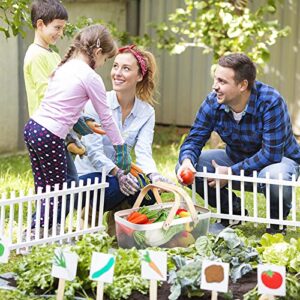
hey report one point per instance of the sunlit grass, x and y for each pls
(15, 173)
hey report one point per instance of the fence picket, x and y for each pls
(2, 220)
(95, 203)
(87, 207)
(11, 217)
(294, 205)
(242, 194)
(101, 207)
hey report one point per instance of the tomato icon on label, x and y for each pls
(187, 176)
(271, 279)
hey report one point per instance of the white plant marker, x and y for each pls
(102, 270)
(214, 277)
(154, 267)
(64, 267)
(4, 249)
(271, 280)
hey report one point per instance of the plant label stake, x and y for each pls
(102, 270)
(4, 249)
(64, 267)
(214, 277)
(271, 280)
(154, 267)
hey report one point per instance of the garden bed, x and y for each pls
(240, 288)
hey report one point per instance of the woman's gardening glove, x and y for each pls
(154, 177)
(127, 182)
(81, 127)
(74, 145)
(123, 158)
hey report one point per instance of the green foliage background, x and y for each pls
(215, 26)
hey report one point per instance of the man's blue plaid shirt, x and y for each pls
(262, 137)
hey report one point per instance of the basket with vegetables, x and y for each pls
(166, 225)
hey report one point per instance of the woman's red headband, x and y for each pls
(138, 56)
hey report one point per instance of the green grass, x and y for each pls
(15, 173)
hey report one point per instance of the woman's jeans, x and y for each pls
(287, 167)
(113, 195)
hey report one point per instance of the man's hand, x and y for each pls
(186, 165)
(221, 170)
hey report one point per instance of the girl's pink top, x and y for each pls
(72, 85)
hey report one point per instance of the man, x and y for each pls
(253, 121)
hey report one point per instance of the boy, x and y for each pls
(48, 18)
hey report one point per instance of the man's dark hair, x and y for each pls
(242, 65)
(47, 10)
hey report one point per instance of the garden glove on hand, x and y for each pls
(74, 145)
(128, 183)
(154, 177)
(123, 158)
(81, 126)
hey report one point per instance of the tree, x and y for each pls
(15, 18)
(13, 15)
(221, 27)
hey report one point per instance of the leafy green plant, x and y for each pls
(13, 14)
(59, 259)
(221, 27)
(275, 250)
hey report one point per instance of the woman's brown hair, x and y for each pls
(146, 88)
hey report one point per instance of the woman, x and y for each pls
(131, 101)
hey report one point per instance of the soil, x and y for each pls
(238, 289)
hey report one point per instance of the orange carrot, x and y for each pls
(133, 215)
(95, 127)
(137, 168)
(152, 265)
(134, 172)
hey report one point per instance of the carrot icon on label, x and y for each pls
(152, 264)
(104, 269)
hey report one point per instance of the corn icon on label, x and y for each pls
(154, 265)
(102, 267)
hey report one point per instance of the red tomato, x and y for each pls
(271, 279)
(187, 176)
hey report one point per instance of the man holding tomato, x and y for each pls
(252, 119)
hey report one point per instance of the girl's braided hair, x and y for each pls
(87, 40)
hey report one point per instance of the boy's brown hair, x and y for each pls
(47, 10)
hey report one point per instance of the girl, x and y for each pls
(72, 84)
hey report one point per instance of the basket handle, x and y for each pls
(179, 194)
(143, 193)
(183, 196)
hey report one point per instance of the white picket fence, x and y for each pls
(257, 216)
(16, 211)
(16, 214)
